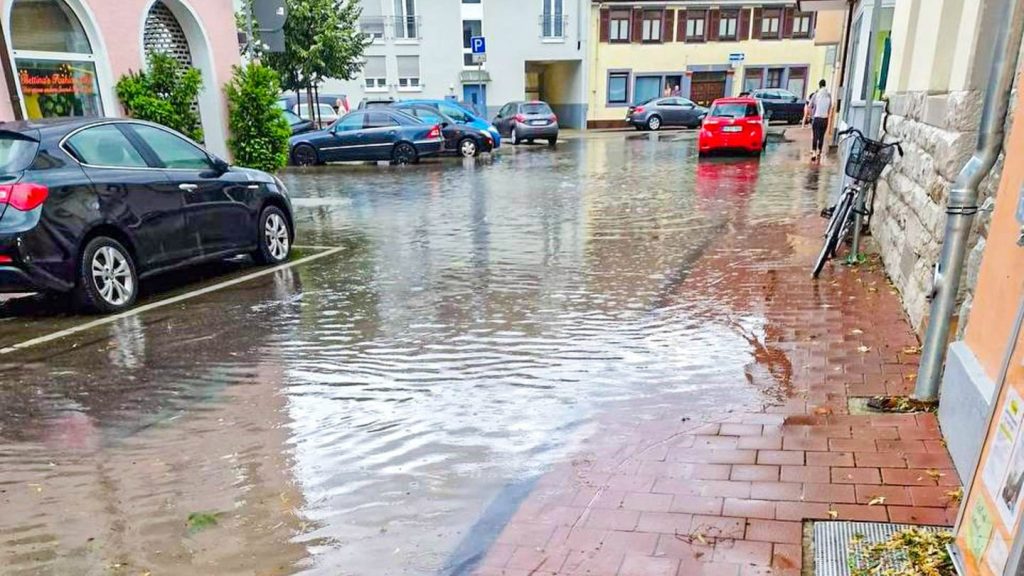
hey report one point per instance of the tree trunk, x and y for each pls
(309, 101)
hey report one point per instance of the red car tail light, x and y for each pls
(23, 196)
(638, 110)
(520, 118)
(435, 133)
(554, 117)
(6, 259)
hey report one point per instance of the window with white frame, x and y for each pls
(552, 21)
(406, 21)
(728, 23)
(770, 20)
(375, 74)
(652, 26)
(619, 26)
(371, 20)
(802, 25)
(695, 27)
(408, 72)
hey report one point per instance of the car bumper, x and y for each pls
(524, 131)
(15, 280)
(36, 266)
(429, 147)
(750, 140)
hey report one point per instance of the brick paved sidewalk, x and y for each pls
(727, 494)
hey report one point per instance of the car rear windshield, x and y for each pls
(536, 108)
(17, 152)
(734, 110)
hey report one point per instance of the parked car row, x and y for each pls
(403, 132)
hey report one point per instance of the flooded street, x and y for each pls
(382, 410)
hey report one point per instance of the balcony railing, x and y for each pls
(406, 27)
(553, 26)
(373, 26)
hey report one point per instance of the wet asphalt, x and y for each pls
(383, 409)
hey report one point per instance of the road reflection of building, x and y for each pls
(120, 439)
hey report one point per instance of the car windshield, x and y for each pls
(16, 152)
(292, 117)
(536, 108)
(734, 110)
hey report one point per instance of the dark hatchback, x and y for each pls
(369, 135)
(781, 105)
(91, 206)
(461, 139)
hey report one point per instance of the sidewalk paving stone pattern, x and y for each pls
(727, 494)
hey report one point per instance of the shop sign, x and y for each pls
(56, 83)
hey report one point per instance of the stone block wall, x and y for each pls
(938, 134)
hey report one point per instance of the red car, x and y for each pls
(734, 124)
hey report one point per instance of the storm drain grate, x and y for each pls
(833, 553)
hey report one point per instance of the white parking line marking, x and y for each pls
(154, 305)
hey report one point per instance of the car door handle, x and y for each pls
(253, 186)
(188, 187)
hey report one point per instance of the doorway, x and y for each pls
(706, 87)
(475, 96)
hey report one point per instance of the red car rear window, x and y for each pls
(734, 110)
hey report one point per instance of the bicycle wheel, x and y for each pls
(833, 233)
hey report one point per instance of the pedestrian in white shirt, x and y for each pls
(820, 106)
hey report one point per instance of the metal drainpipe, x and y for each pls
(963, 198)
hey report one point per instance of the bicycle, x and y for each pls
(864, 165)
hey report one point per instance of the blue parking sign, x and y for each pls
(478, 45)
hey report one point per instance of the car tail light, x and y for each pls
(554, 117)
(23, 196)
(638, 110)
(435, 133)
(6, 259)
(520, 118)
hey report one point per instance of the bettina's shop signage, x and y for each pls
(52, 89)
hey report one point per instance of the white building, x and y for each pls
(535, 50)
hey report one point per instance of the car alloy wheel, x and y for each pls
(304, 155)
(107, 281)
(404, 153)
(467, 147)
(514, 137)
(275, 240)
(653, 123)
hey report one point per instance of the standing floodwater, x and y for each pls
(360, 413)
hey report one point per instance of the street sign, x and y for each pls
(270, 15)
(479, 58)
(737, 57)
(478, 45)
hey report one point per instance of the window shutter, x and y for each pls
(375, 67)
(814, 23)
(667, 24)
(787, 22)
(638, 25)
(756, 32)
(681, 26)
(743, 24)
(714, 17)
(605, 24)
(408, 66)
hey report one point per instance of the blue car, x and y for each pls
(369, 135)
(456, 112)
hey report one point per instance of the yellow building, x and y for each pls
(701, 50)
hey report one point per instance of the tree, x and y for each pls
(165, 93)
(259, 132)
(322, 40)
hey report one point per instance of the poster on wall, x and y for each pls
(1002, 443)
(1008, 495)
(54, 89)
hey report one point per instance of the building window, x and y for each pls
(53, 60)
(727, 24)
(371, 21)
(647, 88)
(652, 26)
(752, 79)
(802, 25)
(470, 1)
(553, 20)
(797, 81)
(618, 88)
(774, 78)
(406, 22)
(409, 73)
(470, 28)
(770, 23)
(695, 27)
(619, 26)
(375, 74)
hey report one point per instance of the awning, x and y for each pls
(475, 76)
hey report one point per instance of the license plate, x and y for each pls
(732, 129)
(537, 122)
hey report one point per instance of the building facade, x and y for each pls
(66, 56)
(701, 50)
(421, 49)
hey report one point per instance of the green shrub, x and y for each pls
(259, 132)
(165, 93)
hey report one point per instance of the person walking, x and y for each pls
(820, 106)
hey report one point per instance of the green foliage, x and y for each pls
(259, 132)
(322, 40)
(165, 94)
(199, 521)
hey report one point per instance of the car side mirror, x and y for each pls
(219, 165)
(444, 125)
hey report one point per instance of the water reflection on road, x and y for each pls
(357, 415)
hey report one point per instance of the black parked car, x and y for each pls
(781, 104)
(369, 135)
(90, 206)
(461, 139)
(298, 124)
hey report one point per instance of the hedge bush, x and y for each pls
(165, 93)
(259, 131)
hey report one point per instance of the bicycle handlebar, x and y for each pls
(860, 135)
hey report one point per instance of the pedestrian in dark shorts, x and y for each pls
(820, 106)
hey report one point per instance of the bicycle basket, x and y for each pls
(867, 159)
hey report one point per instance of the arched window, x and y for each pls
(54, 60)
(163, 34)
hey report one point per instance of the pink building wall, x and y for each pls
(115, 28)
